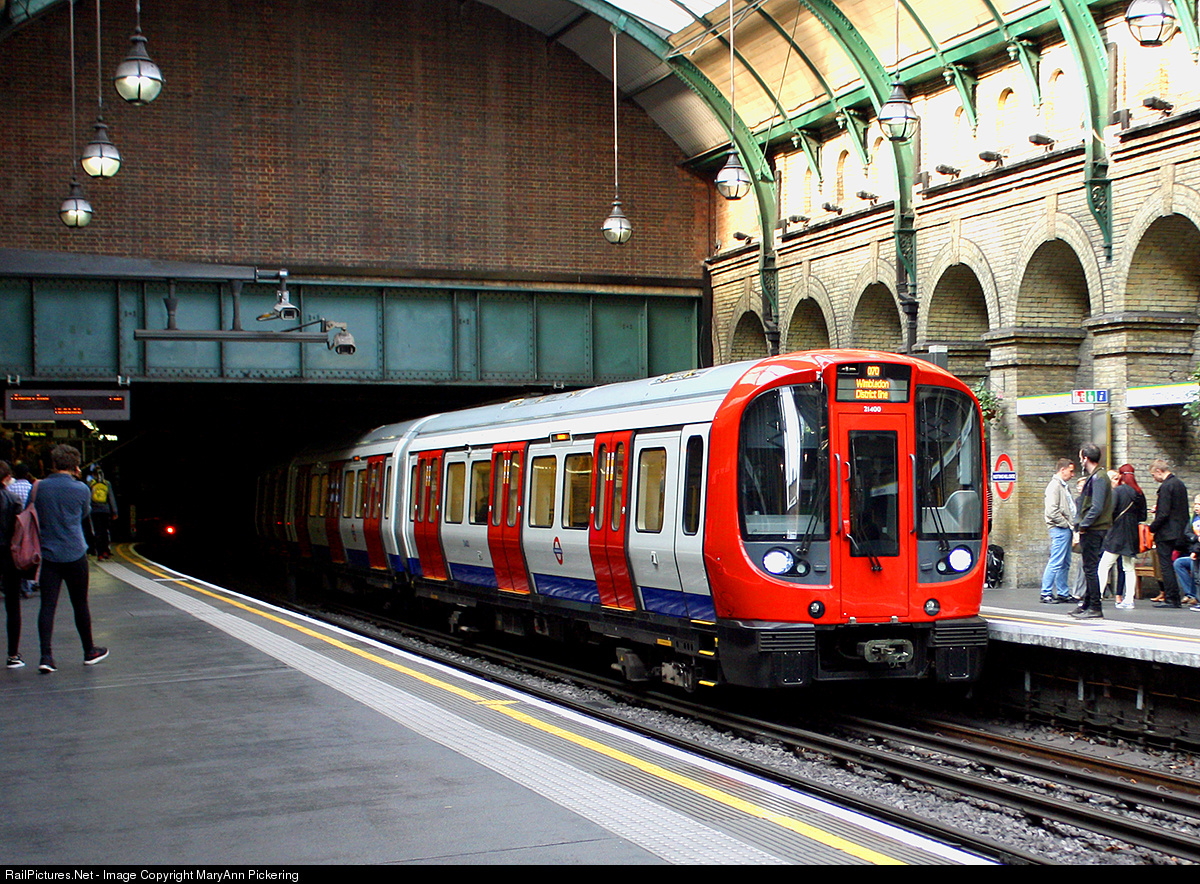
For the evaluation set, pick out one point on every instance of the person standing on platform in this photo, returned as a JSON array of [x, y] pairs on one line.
[[1186, 567], [104, 513], [10, 577], [1121, 541], [1170, 520], [20, 487], [1060, 516], [63, 503], [1094, 519]]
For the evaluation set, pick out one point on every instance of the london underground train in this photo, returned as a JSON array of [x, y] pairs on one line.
[[810, 517]]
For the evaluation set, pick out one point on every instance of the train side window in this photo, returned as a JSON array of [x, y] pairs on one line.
[[314, 496], [693, 478], [414, 492], [514, 488], [598, 497], [577, 487], [323, 498], [435, 476], [456, 479], [498, 471], [348, 494], [361, 510], [651, 489], [387, 492], [618, 487], [481, 480], [541, 491]]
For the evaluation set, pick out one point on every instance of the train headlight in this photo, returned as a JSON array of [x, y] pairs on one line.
[[932, 606], [778, 561], [816, 610], [961, 559]]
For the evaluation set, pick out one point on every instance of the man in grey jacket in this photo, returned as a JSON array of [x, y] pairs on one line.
[[1060, 519], [1095, 518]]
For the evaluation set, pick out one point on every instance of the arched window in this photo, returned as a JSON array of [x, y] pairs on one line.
[[1007, 122], [839, 191]]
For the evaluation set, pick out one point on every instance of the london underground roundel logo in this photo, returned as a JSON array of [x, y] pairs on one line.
[[558, 551], [1004, 476]]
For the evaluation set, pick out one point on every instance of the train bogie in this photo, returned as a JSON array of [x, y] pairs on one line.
[[807, 518]]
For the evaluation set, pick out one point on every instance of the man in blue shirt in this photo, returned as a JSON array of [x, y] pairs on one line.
[[63, 502]]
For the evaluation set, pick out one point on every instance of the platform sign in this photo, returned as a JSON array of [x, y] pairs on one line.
[[1089, 397], [62, 405], [1004, 476]]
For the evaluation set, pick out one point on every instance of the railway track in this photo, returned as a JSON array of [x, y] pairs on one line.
[[1134, 806]]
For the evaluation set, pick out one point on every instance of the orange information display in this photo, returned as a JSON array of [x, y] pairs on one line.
[[873, 382]]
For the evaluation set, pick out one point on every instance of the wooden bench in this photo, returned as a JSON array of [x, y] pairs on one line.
[[1146, 566]]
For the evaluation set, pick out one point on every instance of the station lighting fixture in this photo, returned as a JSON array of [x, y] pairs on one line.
[[1152, 22], [871, 198], [741, 237], [100, 159], [1041, 140], [616, 228], [991, 156], [830, 207], [75, 211], [943, 169], [897, 116], [1154, 102], [798, 219], [733, 182], [138, 80]]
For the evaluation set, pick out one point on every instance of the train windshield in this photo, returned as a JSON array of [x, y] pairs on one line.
[[949, 468], [783, 468]]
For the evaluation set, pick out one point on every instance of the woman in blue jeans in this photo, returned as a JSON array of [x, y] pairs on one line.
[[63, 502]]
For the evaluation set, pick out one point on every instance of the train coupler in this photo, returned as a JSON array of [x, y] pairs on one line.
[[892, 652]]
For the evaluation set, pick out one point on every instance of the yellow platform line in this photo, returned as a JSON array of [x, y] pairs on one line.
[[806, 830]]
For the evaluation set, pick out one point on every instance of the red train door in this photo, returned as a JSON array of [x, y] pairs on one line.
[[606, 533], [428, 515], [333, 509], [376, 557], [301, 509], [504, 526], [875, 527]]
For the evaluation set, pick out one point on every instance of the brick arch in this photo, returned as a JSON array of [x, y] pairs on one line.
[[808, 317], [967, 254], [1053, 288], [1163, 273], [749, 339], [958, 309], [1181, 203], [876, 322], [1066, 229]]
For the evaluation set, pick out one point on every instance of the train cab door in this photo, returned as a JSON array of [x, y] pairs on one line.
[[610, 509], [427, 514], [504, 524], [873, 528], [372, 532]]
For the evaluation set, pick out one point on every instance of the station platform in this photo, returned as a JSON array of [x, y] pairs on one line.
[[1145, 633], [222, 731]]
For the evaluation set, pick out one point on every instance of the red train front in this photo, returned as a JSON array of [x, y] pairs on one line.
[[857, 549]]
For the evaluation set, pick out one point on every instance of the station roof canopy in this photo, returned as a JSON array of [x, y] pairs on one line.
[[797, 65]]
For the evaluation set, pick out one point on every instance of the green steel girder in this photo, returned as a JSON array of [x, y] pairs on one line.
[[1021, 52], [1186, 12], [1087, 47], [878, 84], [955, 74], [86, 328]]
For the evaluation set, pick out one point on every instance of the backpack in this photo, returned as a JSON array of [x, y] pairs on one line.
[[995, 565], [26, 538], [100, 493]]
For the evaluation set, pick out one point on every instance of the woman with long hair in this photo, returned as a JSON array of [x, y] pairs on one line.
[[1121, 541]]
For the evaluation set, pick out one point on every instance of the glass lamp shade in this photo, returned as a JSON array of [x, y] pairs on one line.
[[75, 210], [101, 159], [733, 182], [898, 117], [617, 228], [138, 79], [1152, 22]]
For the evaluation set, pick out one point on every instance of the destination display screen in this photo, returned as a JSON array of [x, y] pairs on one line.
[[43, 405], [873, 382]]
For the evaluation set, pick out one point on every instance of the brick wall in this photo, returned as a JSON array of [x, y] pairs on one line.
[[418, 135]]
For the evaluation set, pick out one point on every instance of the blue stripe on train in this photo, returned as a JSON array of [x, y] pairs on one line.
[[477, 575], [574, 588]]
